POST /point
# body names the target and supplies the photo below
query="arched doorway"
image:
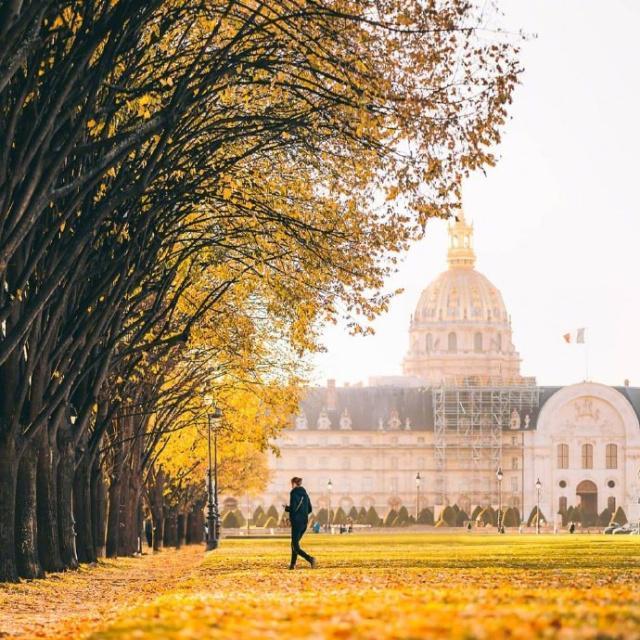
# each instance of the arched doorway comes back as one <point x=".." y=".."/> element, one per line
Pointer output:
<point x="588" y="494"/>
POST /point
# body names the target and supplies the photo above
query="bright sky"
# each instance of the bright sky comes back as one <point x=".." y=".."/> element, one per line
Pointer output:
<point x="556" y="222"/>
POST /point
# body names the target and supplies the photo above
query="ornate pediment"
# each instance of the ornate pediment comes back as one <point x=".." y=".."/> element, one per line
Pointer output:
<point x="585" y="410"/>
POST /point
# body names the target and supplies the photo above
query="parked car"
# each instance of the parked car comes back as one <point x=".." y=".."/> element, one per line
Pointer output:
<point x="611" y="528"/>
<point x="624" y="530"/>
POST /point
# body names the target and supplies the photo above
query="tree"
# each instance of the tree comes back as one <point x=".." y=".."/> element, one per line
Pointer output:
<point x="145" y="183"/>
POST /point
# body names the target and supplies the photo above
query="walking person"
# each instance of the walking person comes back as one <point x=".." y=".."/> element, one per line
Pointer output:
<point x="299" y="508"/>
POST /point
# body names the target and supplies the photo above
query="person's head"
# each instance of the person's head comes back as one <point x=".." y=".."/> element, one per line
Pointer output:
<point x="296" y="482"/>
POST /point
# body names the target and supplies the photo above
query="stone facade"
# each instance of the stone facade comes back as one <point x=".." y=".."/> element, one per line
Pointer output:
<point x="581" y="441"/>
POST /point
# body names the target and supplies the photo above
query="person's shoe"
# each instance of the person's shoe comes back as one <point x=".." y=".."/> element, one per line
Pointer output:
<point x="313" y="563"/>
<point x="292" y="567"/>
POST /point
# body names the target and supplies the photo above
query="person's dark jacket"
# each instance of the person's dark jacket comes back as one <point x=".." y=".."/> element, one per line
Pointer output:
<point x="299" y="505"/>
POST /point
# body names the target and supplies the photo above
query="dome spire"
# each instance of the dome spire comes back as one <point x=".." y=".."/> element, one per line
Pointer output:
<point x="461" y="254"/>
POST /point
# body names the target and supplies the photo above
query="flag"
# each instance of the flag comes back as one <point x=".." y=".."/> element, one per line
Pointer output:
<point x="577" y="336"/>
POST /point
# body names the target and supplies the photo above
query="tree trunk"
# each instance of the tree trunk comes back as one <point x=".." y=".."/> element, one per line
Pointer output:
<point x="171" y="528"/>
<point x="26" y="516"/>
<point x="99" y="500"/>
<point x="47" y="499"/>
<point x="113" y="517"/>
<point x="66" y="526"/>
<point x="82" y="510"/>
<point x="182" y="530"/>
<point x="8" y="480"/>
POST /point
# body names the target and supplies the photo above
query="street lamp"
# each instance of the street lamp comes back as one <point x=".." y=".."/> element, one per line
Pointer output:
<point x="213" y="413"/>
<point x="329" y="488"/>
<point x="418" y="479"/>
<point x="538" y="487"/>
<point x="499" y="475"/>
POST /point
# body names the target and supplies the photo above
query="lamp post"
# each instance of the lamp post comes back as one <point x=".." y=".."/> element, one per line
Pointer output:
<point x="499" y="475"/>
<point x="213" y="413"/>
<point x="418" y="479"/>
<point x="329" y="488"/>
<point x="538" y="487"/>
<point x="73" y="416"/>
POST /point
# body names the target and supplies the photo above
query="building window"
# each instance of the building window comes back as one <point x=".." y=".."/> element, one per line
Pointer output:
<point x="346" y="463"/>
<point x="499" y="343"/>
<point x="322" y="463"/>
<point x="562" y="504"/>
<point x="452" y="342"/>
<point x="393" y="485"/>
<point x="393" y="463"/>
<point x="421" y="464"/>
<point x="562" y="484"/>
<point x="587" y="456"/>
<point x="611" y="484"/>
<point x="612" y="456"/>
<point x="429" y="343"/>
<point x="477" y="342"/>
<point x="611" y="504"/>
<point x="563" y="456"/>
<point x="367" y="484"/>
<point x="514" y="463"/>
<point x="420" y="439"/>
<point x="514" y="484"/>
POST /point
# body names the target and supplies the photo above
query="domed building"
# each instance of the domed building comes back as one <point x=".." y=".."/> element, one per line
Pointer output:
<point x="462" y="427"/>
<point x="461" y="327"/>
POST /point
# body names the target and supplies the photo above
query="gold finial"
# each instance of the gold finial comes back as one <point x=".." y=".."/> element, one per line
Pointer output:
<point x="461" y="254"/>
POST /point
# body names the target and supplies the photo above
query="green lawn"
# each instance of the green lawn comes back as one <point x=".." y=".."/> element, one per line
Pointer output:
<point x="404" y="586"/>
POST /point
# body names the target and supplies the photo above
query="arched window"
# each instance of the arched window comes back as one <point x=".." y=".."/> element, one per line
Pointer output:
<point x="499" y="343"/>
<point x="563" y="456"/>
<point x="562" y="505"/>
<point x="429" y="343"/>
<point x="611" y="504"/>
<point x="611" y="457"/>
<point x="452" y="342"/>
<point x="477" y="342"/>
<point x="587" y="456"/>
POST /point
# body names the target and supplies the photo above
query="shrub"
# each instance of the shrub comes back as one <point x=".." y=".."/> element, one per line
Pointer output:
<point x="604" y="518"/>
<point x="230" y="520"/>
<point x="373" y="518"/>
<point x="426" y="517"/>
<point x="259" y="516"/>
<point x="353" y="513"/>
<point x="619" y="516"/>
<point x="362" y="516"/>
<point x="270" y="523"/>
<point x="531" y="521"/>
<point x="390" y="518"/>
<point x="448" y="516"/>
<point x="339" y="517"/>
<point x="475" y="513"/>
<point x="510" y="517"/>
<point x="461" y="518"/>
<point x="488" y="516"/>
<point x="403" y="517"/>
<point x="322" y="516"/>
<point x="441" y="523"/>
<point x="272" y="512"/>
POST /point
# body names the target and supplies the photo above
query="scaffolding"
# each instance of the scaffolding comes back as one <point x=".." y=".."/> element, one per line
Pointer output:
<point x="470" y="416"/>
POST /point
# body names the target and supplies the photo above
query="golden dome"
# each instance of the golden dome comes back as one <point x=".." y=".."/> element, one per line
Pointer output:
<point x="461" y="327"/>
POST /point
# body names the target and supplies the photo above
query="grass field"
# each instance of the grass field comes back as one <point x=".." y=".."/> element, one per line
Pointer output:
<point x="404" y="586"/>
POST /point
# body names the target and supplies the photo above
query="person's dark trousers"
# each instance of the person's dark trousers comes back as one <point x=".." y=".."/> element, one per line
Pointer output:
<point x="297" y="531"/>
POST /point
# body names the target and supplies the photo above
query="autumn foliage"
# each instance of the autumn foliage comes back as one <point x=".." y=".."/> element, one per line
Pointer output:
<point x="187" y="190"/>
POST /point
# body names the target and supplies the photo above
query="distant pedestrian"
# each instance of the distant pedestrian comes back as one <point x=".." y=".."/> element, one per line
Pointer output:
<point x="572" y="527"/>
<point x="299" y="508"/>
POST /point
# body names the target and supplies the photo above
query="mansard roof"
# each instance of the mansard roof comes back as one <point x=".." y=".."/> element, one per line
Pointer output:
<point x="369" y="407"/>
